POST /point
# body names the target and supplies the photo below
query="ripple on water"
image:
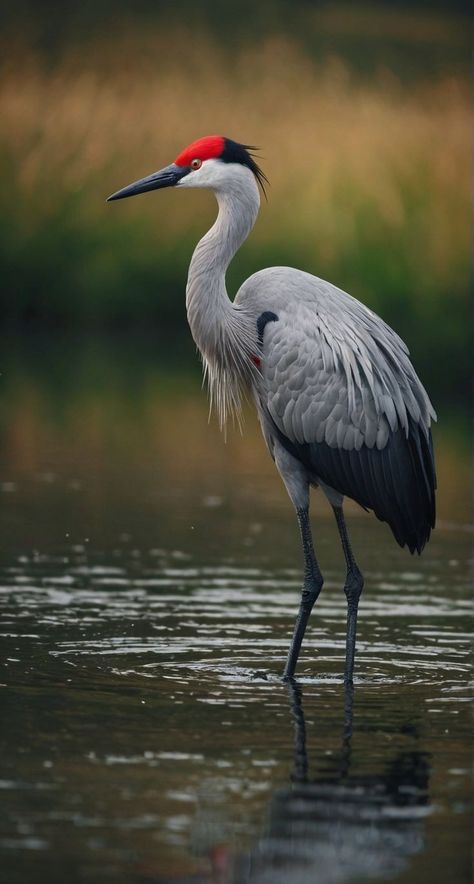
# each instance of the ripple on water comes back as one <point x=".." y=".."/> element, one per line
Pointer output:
<point x="226" y="622"/>
<point x="186" y="662"/>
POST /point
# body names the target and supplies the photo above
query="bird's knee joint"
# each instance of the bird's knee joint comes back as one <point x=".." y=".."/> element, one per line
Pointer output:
<point x="310" y="592"/>
<point x="354" y="586"/>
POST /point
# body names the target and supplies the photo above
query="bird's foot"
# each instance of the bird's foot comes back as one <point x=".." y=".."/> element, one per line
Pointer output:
<point x="288" y="679"/>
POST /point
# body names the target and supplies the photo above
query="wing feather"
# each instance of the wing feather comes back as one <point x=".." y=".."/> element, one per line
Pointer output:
<point x="342" y="395"/>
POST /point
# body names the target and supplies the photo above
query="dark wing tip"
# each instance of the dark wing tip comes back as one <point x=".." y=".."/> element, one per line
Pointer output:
<point x="397" y="482"/>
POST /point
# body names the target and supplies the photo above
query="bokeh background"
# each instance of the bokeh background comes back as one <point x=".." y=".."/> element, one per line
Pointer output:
<point x="361" y="114"/>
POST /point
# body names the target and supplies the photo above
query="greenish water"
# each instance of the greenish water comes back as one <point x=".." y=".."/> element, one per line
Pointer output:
<point x="149" y="582"/>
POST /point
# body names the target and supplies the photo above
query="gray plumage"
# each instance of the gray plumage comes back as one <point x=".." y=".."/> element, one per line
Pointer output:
<point x="340" y="393"/>
<point x="338" y="399"/>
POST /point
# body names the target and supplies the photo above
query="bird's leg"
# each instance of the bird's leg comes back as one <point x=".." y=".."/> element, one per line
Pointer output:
<point x="313" y="581"/>
<point x="352" y="588"/>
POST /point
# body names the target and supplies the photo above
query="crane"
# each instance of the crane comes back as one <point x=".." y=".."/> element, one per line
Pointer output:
<point x="338" y="400"/>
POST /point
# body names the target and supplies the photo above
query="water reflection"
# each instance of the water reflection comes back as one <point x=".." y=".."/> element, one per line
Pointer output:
<point x="331" y="826"/>
<point x="338" y="825"/>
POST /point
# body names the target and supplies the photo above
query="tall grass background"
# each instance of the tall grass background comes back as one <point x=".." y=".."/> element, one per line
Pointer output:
<point x="368" y="182"/>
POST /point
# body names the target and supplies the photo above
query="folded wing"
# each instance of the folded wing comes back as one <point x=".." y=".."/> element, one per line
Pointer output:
<point x="343" y="396"/>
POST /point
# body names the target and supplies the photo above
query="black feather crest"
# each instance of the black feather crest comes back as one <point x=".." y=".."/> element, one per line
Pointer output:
<point x="241" y="153"/>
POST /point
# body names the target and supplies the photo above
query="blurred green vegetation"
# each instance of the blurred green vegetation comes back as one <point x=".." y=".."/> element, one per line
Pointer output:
<point x="368" y="162"/>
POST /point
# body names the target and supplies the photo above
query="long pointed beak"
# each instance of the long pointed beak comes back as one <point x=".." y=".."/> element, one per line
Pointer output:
<point x="167" y="177"/>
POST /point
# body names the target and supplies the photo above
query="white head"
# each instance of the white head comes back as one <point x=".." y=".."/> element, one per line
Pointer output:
<point x="214" y="162"/>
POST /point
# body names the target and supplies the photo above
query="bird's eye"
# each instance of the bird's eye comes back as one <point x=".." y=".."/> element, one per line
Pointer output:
<point x="196" y="164"/>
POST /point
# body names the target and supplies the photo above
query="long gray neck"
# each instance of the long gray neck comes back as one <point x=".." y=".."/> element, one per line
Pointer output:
<point x="224" y="332"/>
<point x="213" y="319"/>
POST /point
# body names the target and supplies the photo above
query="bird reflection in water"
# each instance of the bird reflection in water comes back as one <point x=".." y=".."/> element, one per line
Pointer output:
<point x="340" y="826"/>
<point x="336" y="827"/>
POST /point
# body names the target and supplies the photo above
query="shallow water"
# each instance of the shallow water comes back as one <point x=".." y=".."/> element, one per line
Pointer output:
<point x="148" y="587"/>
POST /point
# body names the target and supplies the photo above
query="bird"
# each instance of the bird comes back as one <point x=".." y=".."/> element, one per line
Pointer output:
<point x="338" y="399"/>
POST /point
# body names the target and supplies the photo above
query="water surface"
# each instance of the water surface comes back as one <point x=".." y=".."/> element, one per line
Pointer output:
<point x="149" y="582"/>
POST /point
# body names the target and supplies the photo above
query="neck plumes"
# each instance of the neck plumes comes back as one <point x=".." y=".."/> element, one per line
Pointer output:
<point x="224" y="332"/>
